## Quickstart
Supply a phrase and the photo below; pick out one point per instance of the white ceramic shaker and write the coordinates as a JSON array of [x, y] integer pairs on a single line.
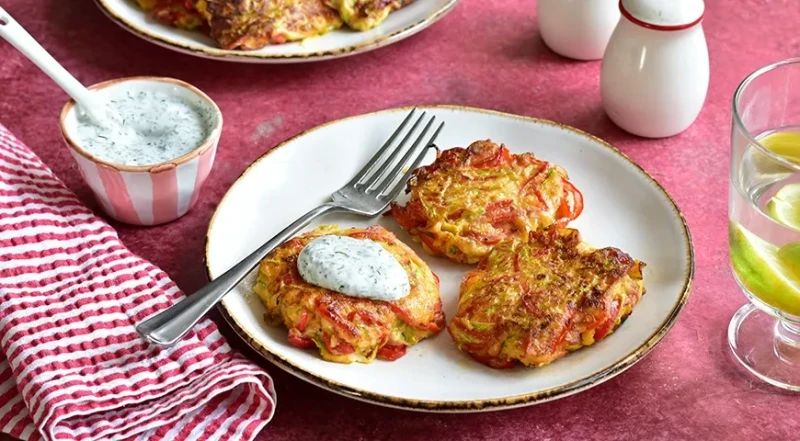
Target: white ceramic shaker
[[577, 29], [655, 70]]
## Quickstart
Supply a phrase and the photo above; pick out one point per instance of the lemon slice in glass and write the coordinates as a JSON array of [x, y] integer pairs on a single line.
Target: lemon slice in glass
[[784, 207], [786, 144], [768, 272]]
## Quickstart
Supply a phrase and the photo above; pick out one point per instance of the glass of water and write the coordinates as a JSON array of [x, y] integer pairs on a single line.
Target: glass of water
[[764, 223]]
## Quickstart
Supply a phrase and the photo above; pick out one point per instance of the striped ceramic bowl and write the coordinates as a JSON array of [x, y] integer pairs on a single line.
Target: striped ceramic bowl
[[152, 194]]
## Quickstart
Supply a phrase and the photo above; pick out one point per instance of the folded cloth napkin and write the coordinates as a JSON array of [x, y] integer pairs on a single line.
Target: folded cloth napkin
[[71, 364]]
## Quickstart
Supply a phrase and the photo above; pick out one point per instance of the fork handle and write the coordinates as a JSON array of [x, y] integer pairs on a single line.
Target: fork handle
[[171, 324]]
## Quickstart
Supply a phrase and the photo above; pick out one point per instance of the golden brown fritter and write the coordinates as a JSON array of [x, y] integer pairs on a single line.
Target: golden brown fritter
[[363, 15], [536, 301], [470, 200], [178, 13], [347, 329], [253, 24]]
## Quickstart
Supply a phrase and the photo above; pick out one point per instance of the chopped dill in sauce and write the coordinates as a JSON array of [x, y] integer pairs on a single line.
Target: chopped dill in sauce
[[355, 267], [149, 128]]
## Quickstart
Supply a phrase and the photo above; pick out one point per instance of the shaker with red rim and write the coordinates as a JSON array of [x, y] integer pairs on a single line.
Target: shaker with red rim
[[655, 69]]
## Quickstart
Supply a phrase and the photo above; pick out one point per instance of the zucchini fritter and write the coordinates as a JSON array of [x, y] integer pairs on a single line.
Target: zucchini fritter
[[178, 13], [253, 24], [363, 15], [470, 200], [535, 302], [347, 329]]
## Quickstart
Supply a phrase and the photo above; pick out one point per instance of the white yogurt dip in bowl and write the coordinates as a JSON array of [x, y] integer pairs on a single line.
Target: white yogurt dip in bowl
[[147, 163]]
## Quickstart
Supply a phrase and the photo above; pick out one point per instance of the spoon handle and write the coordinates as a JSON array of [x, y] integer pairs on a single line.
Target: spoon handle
[[15, 34], [170, 325]]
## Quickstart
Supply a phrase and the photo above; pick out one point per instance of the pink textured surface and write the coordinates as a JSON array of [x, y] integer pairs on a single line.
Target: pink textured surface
[[486, 53]]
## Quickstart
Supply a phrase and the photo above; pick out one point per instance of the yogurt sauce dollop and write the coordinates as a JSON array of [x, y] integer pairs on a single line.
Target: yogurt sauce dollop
[[149, 128], [355, 267]]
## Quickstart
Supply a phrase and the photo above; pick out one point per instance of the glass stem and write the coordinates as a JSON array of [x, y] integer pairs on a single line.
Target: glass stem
[[787, 342], [789, 333]]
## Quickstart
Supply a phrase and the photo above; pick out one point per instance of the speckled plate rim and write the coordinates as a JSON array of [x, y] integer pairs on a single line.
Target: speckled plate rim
[[473, 405], [254, 57]]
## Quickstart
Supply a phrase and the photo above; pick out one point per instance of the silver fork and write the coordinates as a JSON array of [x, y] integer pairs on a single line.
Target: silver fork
[[367, 194]]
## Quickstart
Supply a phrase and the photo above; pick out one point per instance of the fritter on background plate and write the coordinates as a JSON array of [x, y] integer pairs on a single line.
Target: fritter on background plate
[[534, 302], [178, 13], [363, 15], [253, 24], [469, 200], [347, 329]]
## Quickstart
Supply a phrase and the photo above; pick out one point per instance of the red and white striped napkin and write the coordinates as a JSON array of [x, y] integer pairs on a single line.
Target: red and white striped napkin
[[71, 364]]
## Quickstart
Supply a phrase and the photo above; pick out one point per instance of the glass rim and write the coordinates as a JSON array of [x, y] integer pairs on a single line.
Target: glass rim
[[738, 118]]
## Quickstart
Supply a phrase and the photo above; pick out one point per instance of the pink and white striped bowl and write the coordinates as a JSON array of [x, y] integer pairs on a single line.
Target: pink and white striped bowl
[[152, 194]]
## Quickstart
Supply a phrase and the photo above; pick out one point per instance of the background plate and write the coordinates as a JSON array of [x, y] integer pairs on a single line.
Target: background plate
[[341, 43], [624, 207]]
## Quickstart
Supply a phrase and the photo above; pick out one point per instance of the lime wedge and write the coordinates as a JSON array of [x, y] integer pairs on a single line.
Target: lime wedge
[[767, 271], [784, 207], [789, 255]]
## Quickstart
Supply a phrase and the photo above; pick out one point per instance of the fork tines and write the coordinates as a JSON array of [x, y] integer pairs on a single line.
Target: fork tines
[[405, 157]]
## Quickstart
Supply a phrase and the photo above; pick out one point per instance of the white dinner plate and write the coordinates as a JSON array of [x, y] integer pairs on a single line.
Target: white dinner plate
[[336, 44], [624, 207]]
